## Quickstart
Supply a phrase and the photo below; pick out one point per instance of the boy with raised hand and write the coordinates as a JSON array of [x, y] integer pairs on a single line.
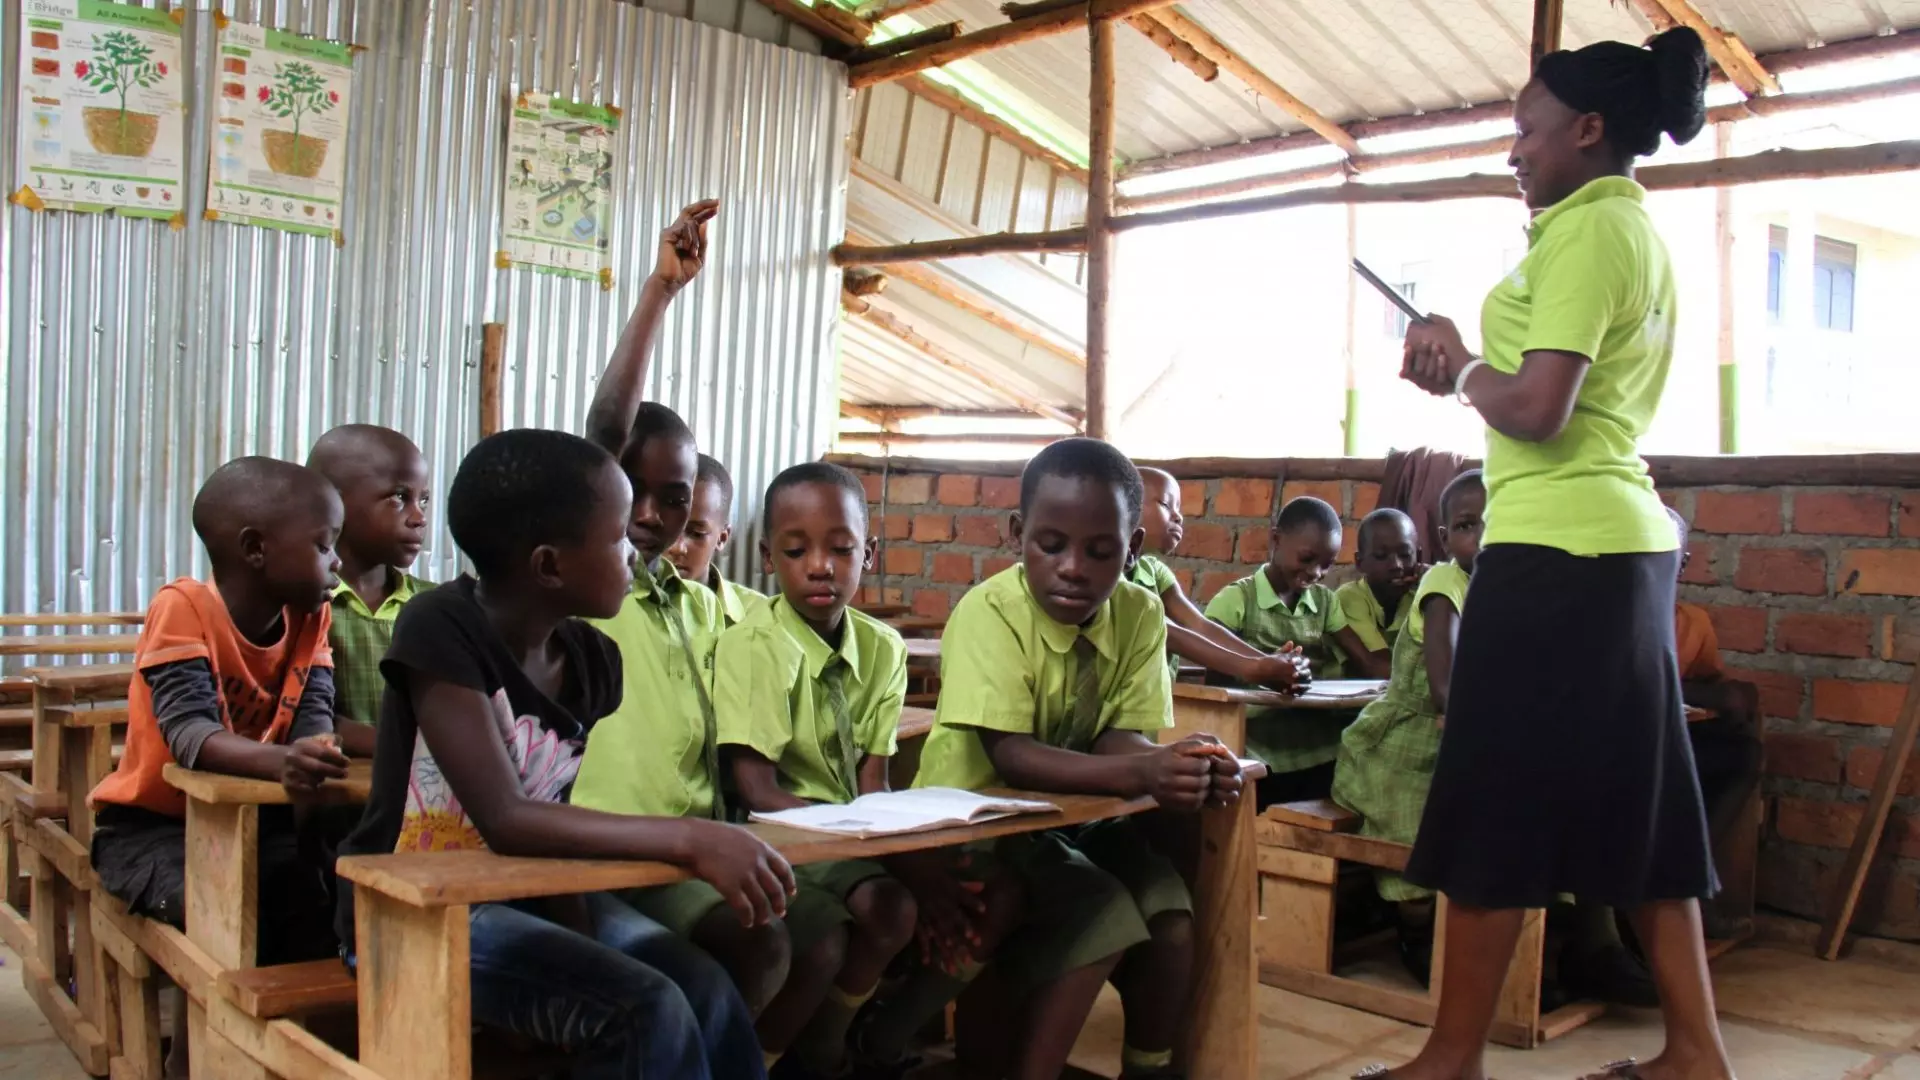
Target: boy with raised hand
[[659, 754], [709, 527], [1054, 678], [1376, 604], [382, 480]]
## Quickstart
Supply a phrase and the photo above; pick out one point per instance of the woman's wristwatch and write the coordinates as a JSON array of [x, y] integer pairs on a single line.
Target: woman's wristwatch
[[1460, 380]]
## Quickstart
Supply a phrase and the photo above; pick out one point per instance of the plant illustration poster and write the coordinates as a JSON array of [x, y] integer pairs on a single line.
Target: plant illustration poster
[[279, 144], [559, 190], [100, 109]]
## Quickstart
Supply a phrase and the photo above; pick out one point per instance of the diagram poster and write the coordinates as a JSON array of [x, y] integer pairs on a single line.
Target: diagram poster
[[559, 186], [100, 109], [279, 135]]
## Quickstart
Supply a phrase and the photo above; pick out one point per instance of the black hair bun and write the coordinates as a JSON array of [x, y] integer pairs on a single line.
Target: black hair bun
[[1680, 68]]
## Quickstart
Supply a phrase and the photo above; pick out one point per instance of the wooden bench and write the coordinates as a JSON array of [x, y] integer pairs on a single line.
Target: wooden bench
[[68, 644], [1300, 848]]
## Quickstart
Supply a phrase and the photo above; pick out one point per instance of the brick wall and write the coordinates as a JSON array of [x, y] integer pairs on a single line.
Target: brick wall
[[1809, 568]]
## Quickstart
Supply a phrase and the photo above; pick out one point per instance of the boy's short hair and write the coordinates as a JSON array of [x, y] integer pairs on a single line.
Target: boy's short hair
[[1307, 511], [814, 472], [1379, 518], [349, 451], [250, 491], [655, 421], [712, 472], [1471, 479], [1086, 459], [518, 490]]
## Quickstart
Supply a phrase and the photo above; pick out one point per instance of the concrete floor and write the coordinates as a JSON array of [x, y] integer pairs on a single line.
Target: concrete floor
[[1786, 1016]]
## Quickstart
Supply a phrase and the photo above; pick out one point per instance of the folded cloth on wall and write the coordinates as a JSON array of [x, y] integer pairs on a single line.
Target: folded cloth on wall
[[1413, 482]]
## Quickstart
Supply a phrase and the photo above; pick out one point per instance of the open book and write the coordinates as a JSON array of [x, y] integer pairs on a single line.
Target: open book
[[888, 813], [1346, 689]]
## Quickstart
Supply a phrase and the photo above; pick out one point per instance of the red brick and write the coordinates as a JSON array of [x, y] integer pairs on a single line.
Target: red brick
[[1327, 491], [1000, 492], [1242, 497], [1206, 540], [1820, 823], [951, 569], [979, 530], [1212, 582], [932, 528], [958, 490], [1366, 499], [874, 594], [1837, 514], [993, 564], [1185, 578], [1793, 571], [1700, 564], [1743, 513], [871, 482], [1253, 545], [1900, 638], [1863, 768], [1803, 757], [1781, 693], [1910, 515], [1739, 629], [1853, 701], [911, 489], [1349, 547], [932, 604], [896, 526], [1880, 571], [903, 561], [1193, 498], [1811, 634]]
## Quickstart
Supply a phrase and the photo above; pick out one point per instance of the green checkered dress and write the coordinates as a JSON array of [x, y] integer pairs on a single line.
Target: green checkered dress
[[359, 640], [1387, 755]]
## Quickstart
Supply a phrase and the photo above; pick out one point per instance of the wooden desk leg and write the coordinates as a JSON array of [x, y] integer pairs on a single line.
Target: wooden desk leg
[[1223, 720], [1222, 1024], [223, 904], [85, 758], [415, 983]]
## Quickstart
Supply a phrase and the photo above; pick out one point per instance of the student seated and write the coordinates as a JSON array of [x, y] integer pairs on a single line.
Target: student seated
[[382, 480], [1377, 603], [1282, 605], [1190, 634], [1726, 748], [1387, 755], [709, 527], [808, 693], [233, 675], [658, 753], [494, 685], [1054, 678]]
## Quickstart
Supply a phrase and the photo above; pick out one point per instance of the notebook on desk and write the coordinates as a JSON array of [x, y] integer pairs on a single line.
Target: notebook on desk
[[890, 813]]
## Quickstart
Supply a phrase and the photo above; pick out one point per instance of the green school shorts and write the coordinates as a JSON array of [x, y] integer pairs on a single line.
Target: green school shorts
[[837, 879], [1091, 891], [812, 913]]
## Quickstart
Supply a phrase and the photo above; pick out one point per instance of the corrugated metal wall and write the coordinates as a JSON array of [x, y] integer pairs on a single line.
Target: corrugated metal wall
[[135, 358]]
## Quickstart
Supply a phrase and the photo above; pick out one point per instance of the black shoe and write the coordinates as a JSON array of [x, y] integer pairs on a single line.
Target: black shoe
[[1415, 939], [1612, 974]]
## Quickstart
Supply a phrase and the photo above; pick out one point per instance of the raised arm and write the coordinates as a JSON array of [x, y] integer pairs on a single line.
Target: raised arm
[[616, 401]]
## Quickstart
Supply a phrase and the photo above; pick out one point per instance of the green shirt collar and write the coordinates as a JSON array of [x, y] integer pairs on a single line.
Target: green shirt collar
[[660, 585], [1268, 599], [813, 647], [1059, 636], [1607, 187], [403, 591]]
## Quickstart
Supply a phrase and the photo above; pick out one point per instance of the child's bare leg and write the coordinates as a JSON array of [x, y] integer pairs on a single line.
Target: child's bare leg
[[1480, 943], [798, 996], [757, 957], [1055, 1014], [1670, 932], [1154, 978], [883, 913], [176, 1066]]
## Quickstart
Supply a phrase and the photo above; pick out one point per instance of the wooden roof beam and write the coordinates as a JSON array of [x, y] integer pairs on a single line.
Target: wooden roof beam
[[1046, 24], [1237, 66], [1182, 53], [1729, 52], [923, 87], [906, 335], [962, 247], [824, 21], [979, 307]]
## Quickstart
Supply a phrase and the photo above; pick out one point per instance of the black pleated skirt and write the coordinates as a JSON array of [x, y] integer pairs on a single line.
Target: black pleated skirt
[[1565, 765]]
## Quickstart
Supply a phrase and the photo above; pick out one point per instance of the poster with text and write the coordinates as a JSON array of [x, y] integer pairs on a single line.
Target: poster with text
[[559, 201], [100, 108], [279, 136]]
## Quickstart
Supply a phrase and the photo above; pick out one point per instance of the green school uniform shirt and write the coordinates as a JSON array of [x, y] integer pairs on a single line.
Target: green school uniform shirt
[[1596, 281], [359, 639], [735, 599], [1005, 665], [1366, 618], [770, 695], [1288, 740], [650, 756], [1152, 575]]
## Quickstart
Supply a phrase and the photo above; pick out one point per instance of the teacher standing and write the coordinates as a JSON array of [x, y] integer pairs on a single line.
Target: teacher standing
[[1565, 766]]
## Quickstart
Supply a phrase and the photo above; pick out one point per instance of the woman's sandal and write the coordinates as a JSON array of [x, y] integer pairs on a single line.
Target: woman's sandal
[[1624, 1069], [1375, 1071]]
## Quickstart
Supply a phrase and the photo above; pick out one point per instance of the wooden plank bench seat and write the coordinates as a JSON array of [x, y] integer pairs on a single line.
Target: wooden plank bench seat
[[269, 993], [68, 644]]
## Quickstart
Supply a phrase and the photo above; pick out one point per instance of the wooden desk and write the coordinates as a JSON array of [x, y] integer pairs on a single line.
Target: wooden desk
[[67, 644], [223, 887], [923, 650], [412, 908], [1222, 711], [72, 618]]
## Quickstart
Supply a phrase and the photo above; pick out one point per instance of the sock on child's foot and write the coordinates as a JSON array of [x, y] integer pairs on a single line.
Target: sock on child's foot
[[894, 1020], [1136, 1062], [822, 1044]]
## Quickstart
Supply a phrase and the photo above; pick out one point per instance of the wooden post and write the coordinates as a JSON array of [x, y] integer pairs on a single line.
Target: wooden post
[[1099, 210], [493, 347], [1723, 242], [1546, 28], [1860, 858], [1351, 426]]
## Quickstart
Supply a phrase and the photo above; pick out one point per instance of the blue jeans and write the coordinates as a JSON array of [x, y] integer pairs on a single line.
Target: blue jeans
[[634, 1001]]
